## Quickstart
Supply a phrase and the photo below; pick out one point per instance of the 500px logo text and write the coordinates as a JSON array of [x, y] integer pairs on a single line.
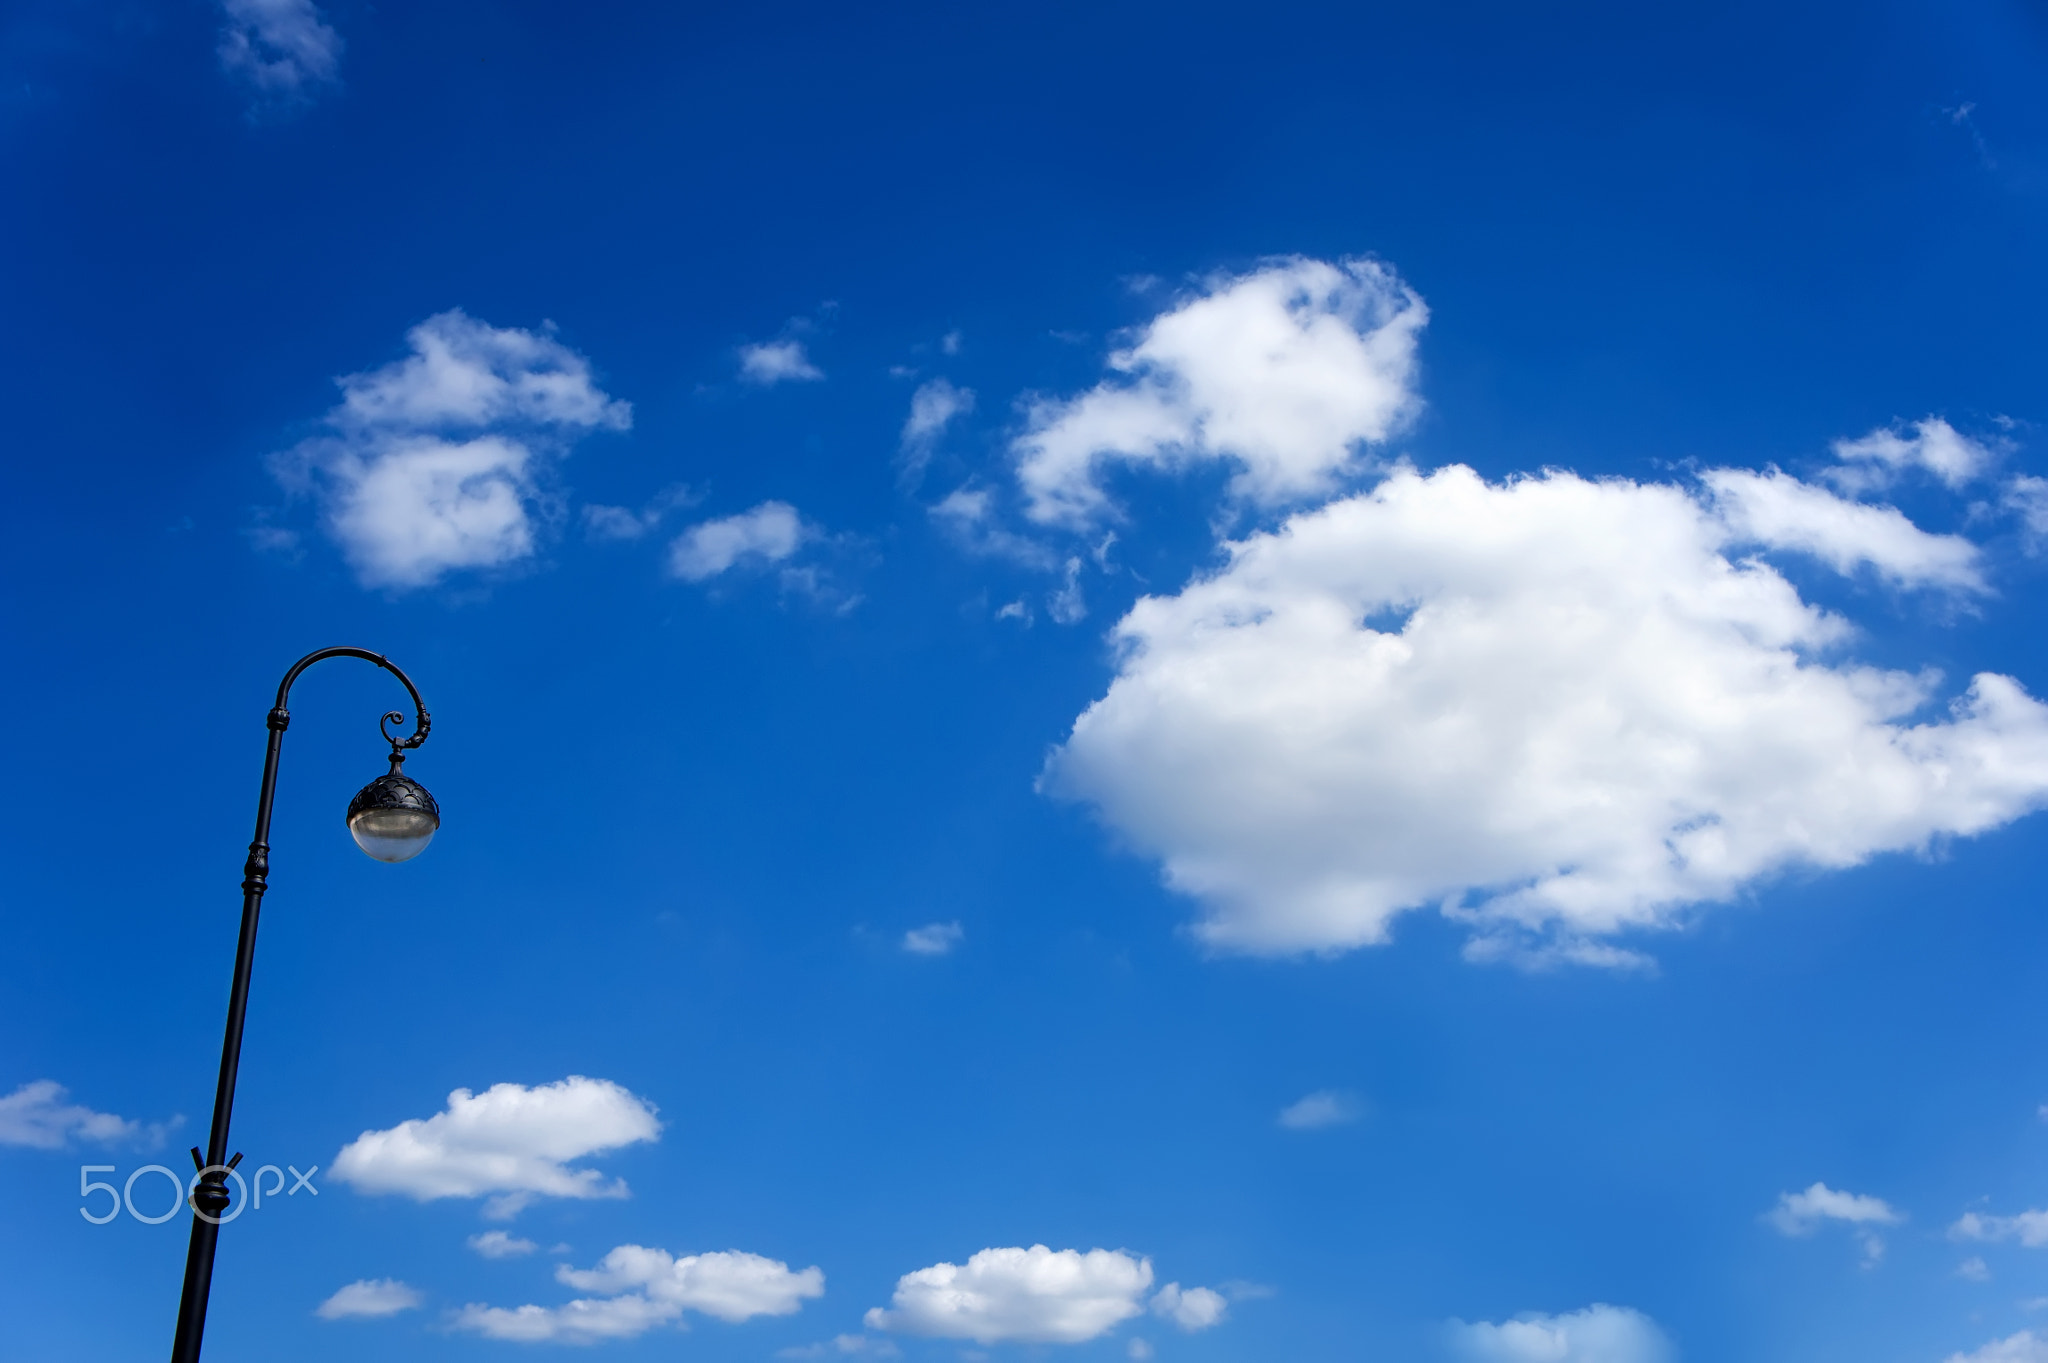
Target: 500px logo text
[[251, 1191]]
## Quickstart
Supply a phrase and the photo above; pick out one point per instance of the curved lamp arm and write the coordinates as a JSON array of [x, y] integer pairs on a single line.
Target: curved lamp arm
[[280, 717]]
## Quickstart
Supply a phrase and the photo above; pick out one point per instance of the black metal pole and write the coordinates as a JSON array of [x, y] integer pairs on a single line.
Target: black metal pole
[[210, 1198]]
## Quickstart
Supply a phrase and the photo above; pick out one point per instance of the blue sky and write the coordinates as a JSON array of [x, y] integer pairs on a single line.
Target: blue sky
[[1110, 682]]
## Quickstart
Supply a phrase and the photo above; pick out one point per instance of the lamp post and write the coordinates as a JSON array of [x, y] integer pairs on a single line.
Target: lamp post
[[392, 819]]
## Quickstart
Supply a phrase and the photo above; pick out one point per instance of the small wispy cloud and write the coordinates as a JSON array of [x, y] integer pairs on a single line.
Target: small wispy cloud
[[1322, 1109], [282, 48], [637, 1288], [1963, 114], [1191, 1308], [769, 533], [38, 1116], [933, 407], [497, 1244], [1802, 1213], [772, 362], [2030, 1229], [934, 939], [1930, 445], [603, 522], [1598, 1334], [774, 540], [2027, 497], [2024, 1347], [369, 1299], [844, 1346], [1066, 604], [967, 515]]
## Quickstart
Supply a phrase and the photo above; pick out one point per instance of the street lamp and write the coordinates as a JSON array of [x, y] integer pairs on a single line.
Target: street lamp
[[392, 819]]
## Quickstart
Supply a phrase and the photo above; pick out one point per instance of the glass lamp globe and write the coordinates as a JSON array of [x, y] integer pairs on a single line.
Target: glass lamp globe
[[393, 818]]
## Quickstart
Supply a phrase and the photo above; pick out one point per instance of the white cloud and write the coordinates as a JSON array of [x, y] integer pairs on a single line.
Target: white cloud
[[369, 1299], [967, 514], [1283, 373], [282, 47], [1557, 708], [36, 1115], [1598, 1334], [769, 533], [934, 939], [510, 1142], [2024, 1347], [1193, 1308], [2027, 497], [466, 374], [433, 461], [496, 1244], [421, 508], [1974, 1269], [1324, 1108], [932, 408], [614, 522], [1877, 459], [1066, 604], [772, 362], [583, 1321], [1802, 1213], [1034, 1295], [729, 1285], [1779, 511], [840, 1346], [1138, 1349], [645, 1288], [623, 523], [2029, 1228]]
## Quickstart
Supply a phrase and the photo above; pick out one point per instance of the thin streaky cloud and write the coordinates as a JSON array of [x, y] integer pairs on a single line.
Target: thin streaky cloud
[[934, 939], [1320, 1110], [37, 1115]]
